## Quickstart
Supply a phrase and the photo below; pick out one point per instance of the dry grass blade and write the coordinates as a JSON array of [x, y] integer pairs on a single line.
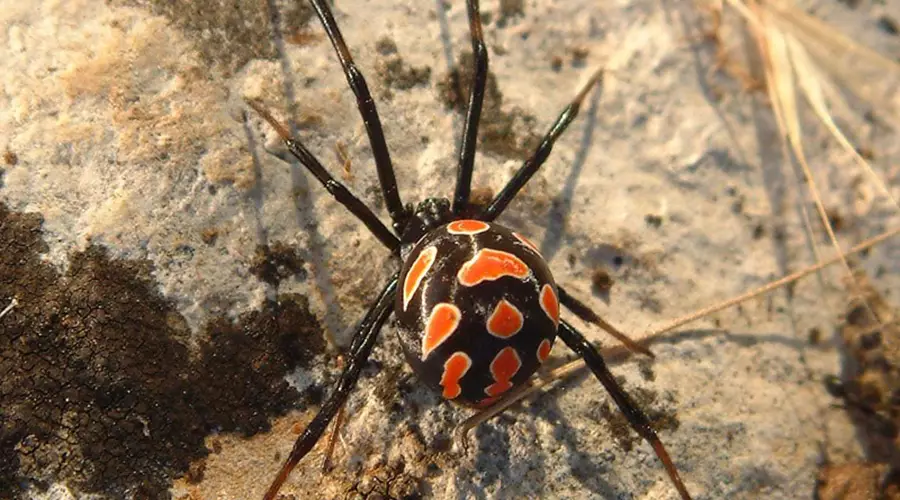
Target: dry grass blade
[[780, 85], [799, 50], [619, 352], [808, 76], [782, 91], [827, 39], [793, 47]]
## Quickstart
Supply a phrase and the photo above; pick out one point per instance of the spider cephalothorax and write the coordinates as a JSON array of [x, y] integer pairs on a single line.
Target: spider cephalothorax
[[476, 305], [426, 217], [477, 310]]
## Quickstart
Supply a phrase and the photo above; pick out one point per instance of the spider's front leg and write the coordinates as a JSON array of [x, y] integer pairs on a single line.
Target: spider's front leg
[[369, 112], [360, 349], [638, 420], [473, 111]]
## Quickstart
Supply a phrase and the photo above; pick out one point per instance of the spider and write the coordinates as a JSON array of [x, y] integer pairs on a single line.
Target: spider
[[475, 303]]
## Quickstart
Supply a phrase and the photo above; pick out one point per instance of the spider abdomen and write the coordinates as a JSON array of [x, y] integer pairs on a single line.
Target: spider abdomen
[[477, 310]]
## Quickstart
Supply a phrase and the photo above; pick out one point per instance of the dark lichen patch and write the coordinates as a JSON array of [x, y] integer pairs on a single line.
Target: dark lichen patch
[[389, 382], [209, 235], [858, 480], [10, 158], [394, 72], [835, 219], [645, 367], [889, 25], [385, 46], [400, 478], [653, 220], [510, 9], [662, 418], [601, 281], [99, 387], [505, 133], [556, 63], [229, 33], [277, 262], [871, 386], [388, 483], [579, 55]]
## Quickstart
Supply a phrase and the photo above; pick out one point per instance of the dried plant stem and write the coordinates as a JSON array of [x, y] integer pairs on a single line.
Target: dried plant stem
[[9, 308], [335, 429]]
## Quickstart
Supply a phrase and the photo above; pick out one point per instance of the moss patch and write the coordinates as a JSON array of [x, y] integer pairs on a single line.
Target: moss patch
[[229, 33], [276, 262], [393, 70], [99, 386]]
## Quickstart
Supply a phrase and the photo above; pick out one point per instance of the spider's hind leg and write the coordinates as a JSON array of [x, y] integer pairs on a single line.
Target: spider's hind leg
[[360, 349], [586, 314], [638, 420]]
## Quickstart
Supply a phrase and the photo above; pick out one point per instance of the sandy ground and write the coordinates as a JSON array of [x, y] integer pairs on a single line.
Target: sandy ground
[[128, 129]]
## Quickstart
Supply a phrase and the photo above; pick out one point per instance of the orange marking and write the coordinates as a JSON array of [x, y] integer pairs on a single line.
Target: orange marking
[[416, 272], [525, 241], [503, 368], [489, 265], [441, 324], [543, 351], [467, 226], [549, 303], [454, 369], [505, 321]]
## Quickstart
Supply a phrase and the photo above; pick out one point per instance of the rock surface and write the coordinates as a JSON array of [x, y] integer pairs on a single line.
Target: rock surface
[[152, 189]]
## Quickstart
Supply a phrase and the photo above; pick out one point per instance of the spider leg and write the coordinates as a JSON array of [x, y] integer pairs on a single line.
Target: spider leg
[[586, 314], [473, 113], [531, 165], [335, 430], [369, 113], [638, 420], [358, 354], [338, 190]]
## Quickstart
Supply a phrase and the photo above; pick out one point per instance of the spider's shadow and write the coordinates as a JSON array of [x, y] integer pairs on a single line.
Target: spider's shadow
[[584, 464], [561, 205], [304, 212]]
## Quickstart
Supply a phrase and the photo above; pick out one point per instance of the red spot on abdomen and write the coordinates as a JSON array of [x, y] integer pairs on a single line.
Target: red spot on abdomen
[[467, 226], [416, 272], [549, 303], [441, 324], [454, 369], [505, 321], [504, 366], [489, 265], [543, 351]]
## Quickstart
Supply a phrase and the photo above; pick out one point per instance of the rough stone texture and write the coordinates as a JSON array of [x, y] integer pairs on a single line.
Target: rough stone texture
[[125, 133]]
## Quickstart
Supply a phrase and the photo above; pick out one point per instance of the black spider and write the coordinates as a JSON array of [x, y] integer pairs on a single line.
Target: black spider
[[477, 308]]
